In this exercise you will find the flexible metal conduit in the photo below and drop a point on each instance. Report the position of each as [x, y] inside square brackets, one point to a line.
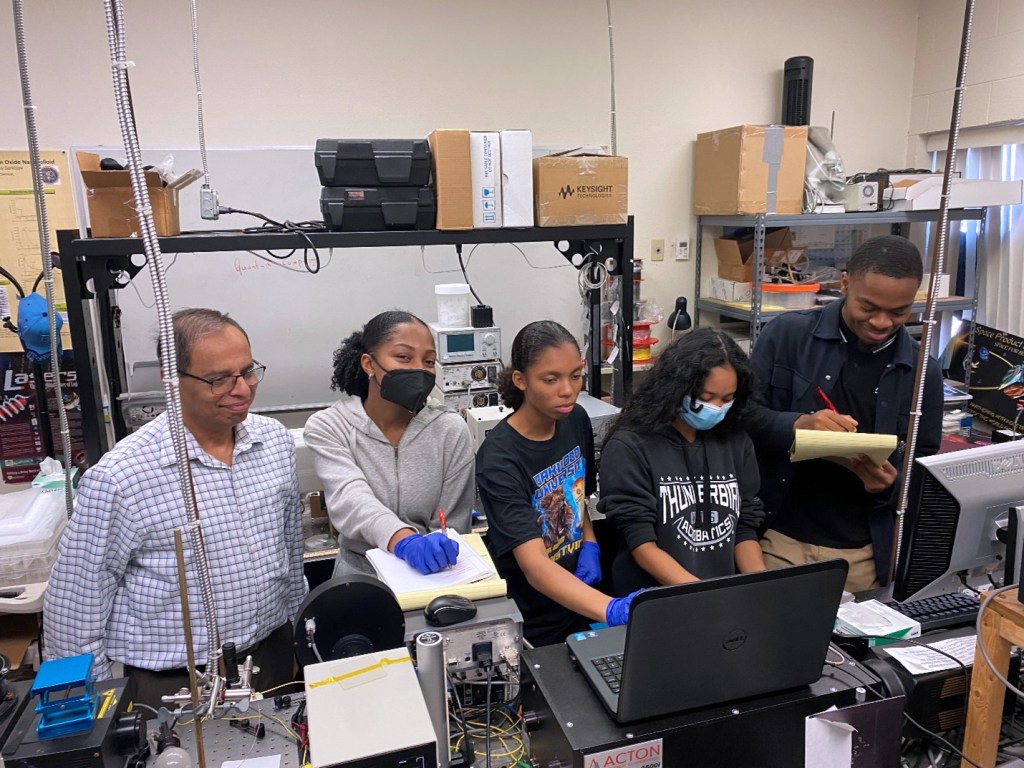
[114, 13]
[44, 247]
[937, 265]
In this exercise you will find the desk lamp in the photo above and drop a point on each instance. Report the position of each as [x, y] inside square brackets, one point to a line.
[679, 320]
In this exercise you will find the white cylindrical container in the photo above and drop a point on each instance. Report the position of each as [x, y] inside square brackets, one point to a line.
[430, 664]
[452, 305]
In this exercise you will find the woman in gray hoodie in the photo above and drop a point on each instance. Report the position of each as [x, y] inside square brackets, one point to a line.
[388, 464]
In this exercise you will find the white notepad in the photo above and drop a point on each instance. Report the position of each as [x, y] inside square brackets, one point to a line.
[402, 577]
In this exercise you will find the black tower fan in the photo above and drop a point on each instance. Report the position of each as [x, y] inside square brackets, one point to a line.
[796, 91]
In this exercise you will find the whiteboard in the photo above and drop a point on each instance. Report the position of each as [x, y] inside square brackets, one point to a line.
[294, 319]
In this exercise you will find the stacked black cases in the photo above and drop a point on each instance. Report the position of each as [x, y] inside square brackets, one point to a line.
[372, 185]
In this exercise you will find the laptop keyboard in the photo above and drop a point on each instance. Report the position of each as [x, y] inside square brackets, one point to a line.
[610, 669]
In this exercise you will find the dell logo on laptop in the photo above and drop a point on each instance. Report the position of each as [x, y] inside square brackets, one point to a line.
[734, 639]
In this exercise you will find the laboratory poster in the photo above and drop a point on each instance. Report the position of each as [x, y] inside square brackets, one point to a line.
[20, 252]
[22, 421]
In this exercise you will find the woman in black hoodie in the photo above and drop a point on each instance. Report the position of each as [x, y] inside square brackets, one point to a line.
[678, 474]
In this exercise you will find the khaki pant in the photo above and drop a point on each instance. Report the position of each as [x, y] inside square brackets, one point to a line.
[780, 550]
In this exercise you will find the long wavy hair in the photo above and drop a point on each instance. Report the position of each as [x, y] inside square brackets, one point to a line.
[681, 370]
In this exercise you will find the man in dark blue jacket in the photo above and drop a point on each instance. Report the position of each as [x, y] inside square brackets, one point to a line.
[855, 356]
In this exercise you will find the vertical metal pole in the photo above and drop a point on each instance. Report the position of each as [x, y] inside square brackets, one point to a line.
[93, 429]
[979, 256]
[625, 256]
[186, 618]
[698, 246]
[594, 317]
[430, 666]
[938, 258]
[755, 294]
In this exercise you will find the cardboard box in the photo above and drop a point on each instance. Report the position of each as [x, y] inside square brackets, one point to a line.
[731, 170]
[112, 203]
[734, 255]
[574, 189]
[453, 180]
[924, 195]
[730, 290]
[485, 167]
[516, 178]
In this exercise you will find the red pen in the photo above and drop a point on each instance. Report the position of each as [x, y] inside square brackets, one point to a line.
[444, 526]
[821, 394]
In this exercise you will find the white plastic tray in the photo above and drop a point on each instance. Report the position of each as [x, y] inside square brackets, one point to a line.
[28, 598]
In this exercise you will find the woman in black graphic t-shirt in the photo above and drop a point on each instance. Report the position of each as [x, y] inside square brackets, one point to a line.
[534, 472]
[678, 475]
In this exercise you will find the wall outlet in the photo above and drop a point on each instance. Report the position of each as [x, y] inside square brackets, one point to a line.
[682, 249]
[657, 250]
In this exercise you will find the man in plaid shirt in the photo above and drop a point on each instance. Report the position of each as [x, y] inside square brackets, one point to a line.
[114, 589]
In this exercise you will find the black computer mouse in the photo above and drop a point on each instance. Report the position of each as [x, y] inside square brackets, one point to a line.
[449, 609]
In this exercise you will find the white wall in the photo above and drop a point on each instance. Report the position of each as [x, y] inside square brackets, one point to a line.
[288, 73]
[995, 70]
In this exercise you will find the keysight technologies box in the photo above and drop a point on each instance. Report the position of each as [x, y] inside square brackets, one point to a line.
[731, 170]
[576, 189]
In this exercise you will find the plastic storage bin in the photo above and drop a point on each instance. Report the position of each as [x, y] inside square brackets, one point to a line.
[373, 162]
[788, 296]
[31, 523]
[452, 305]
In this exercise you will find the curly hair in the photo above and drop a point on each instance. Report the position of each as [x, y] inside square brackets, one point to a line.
[348, 370]
[528, 345]
[681, 370]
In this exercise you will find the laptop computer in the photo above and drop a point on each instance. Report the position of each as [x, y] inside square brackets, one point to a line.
[701, 644]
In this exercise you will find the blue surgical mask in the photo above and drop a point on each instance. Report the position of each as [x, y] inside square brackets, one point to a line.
[707, 417]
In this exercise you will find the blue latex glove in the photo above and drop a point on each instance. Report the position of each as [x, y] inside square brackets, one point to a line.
[617, 611]
[588, 567]
[428, 554]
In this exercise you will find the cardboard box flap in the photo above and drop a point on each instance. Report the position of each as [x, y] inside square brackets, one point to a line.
[580, 152]
[585, 164]
[185, 179]
[94, 178]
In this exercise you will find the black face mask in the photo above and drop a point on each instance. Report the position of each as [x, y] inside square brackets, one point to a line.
[406, 387]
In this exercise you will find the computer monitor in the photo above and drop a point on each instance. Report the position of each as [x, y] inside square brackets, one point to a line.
[957, 505]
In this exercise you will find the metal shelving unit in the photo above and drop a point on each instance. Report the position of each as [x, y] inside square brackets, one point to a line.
[899, 221]
[92, 268]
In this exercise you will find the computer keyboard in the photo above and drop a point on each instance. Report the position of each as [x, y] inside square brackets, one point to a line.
[610, 669]
[941, 611]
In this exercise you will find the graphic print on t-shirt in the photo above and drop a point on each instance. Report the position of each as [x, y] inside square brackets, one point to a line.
[559, 499]
[701, 526]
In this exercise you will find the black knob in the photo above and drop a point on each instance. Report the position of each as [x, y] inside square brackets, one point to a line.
[230, 663]
[258, 729]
